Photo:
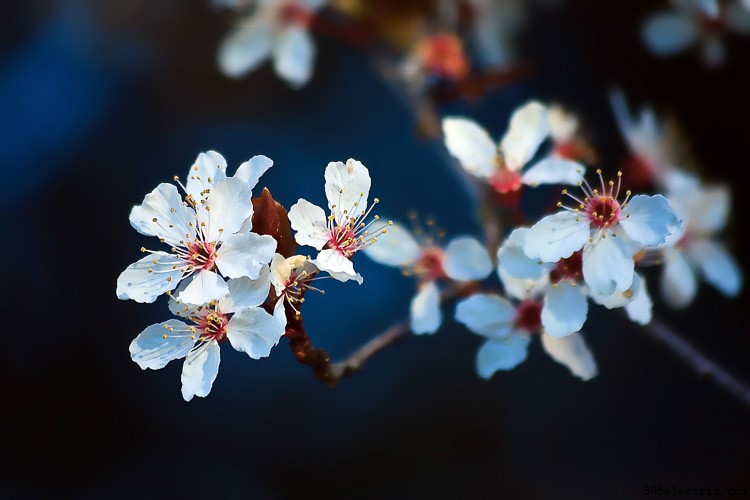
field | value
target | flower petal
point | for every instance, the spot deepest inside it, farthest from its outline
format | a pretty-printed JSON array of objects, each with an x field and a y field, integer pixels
[
  {"x": 251, "y": 171},
  {"x": 245, "y": 292},
  {"x": 347, "y": 189},
  {"x": 395, "y": 248},
  {"x": 521, "y": 288},
  {"x": 151, "y": 276},
  {"x": 571, "y": 351},
  {"x": 204, "y": 287},
  {"x": 309, "y": 222},
  {"x": 565, "y": 309},
  {"x": 708, "y": 208},
  {"x": 512, "y": 260},
  {"x": 226, "y": 208},
  {"x": 200, "y": 370},
  {"x": 425, "y": 315},
  {"x": 668, "y": 32},
  {"x": 556, "y": 237},
  {"x": 466, "y": 259},
  {"x": 678, "y": 282},
  {"x": 159, "y": 344},
  {"x": 639, "y": 309},
  {"x": 503, "y": 354},
  {"x": 607, "y": 265},
  {"x": 529, "y": 127},
  {"x": 162, "y": 214},
  {"x": 471, "y": 146},
  {"x": 209, "y": 168},
  {"x": 554, "y": 171},
  {"x": 339, "y": 267},
  {"x": 294, "y": 55},
  {"x": 717, "y": 265},
  {"x": 648, "y": 219},
  {"x": 245, "y": 48},
  {"x": 245, "y": 255},
  {"x": 255, "y": 332},
  {"x": 487, "y": 314}
]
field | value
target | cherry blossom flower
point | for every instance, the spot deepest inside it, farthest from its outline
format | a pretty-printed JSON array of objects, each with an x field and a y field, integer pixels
[
  {"x": 291, "y": 278},
  {"x": 501, "y": 167},
  {"x": 508, "y": 328},
  {"x": 441, "y": 55},
  {"x": 421, "y": 255},
  {"x": 208, "y": 232},
  {"x": 563, "y": 289},
  {"x": 494, "y": 24},
  {"x": 703, "y": 23},
  {"x": 694, "y": 249},
  {"x": 276, "y": 29},
  {"x": 344, "y": 232},
  {"x": 235, "y": 318},
  {"x": 607, "y": 231}
]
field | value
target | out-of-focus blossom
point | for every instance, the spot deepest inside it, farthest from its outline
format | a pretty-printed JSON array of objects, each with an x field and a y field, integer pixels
[
  {"x": 208, "y": 232},
  {"x": 694, "y": 250},
  {"x": 422, "y": 256},
  {"x": 608, "y": 231},
  {"x": 696, "y": 22},
  {"x": 494, "y": 24},
  {"x": 343, "y": 233},
  {"x": 441, "y": 55},
  {"x": 235, "y": 318},
  {"x": 501, "y": 166},
  {"x": 278, "y": 29},
  {"x": 508, "y": 328}
]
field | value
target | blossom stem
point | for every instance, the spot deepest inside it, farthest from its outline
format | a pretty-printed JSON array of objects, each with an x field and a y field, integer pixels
[{"x": 699, "y": 362}]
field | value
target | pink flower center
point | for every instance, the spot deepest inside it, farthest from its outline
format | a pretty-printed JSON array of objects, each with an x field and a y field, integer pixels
[
  {"x": 344, "y": 241},
  {"x": 568, "y": 269},
  {"x": 293, "y": 14},
  {"x": 212, "y": 325},
  {"x": 202, "y": 255},
  {"x": 600, "y": 206},
  {"x": 443, "y": 56},
  {"x": 529, "y": 316},
  {"x": 430, "y": 264},
  {"x": 603, "y": 211},
  {"x": 505, "y": 181}
]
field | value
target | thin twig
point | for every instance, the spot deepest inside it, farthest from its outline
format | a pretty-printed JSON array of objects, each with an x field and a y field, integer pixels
[{"x": 699, "y": 362}]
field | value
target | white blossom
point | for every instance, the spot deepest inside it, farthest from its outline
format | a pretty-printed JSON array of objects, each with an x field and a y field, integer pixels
[{"x": 208, "y": 232}]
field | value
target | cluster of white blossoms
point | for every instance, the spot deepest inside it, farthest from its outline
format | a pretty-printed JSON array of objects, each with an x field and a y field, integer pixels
[{"x": 218, "y": 274}]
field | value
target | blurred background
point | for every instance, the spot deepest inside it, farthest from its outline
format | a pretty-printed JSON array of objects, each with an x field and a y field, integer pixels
[{"x": 104, "y": 100}]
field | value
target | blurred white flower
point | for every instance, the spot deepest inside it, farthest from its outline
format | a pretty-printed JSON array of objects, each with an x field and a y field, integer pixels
[
  {"x": 501, "y": 166},
  {"x": 694, "y": 249},
  {"x": 696, "y": 22},
  {"x": 277, "y": 29},
  {"x": 608, "y": 231},
  {"x": 345, "y": 232},
  {"x": 462, "y": 259},
  {"x": 208, "y": 233},
  {"x": 235, "y": 318},
  {"x": 494, "y": 24}
]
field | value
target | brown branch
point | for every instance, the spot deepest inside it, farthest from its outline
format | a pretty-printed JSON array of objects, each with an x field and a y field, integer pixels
[{"x": 699, "y": 362}]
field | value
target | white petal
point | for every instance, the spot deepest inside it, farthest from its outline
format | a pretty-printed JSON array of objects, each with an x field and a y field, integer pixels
[
  {"x": 199, "y": 370},
  {"x": 226, "y": 208},
  {"x": 137, "y": 283},
  {"x": 678, "y": 283},
  {"x": 395, "y": 248},
  {"x": 648, "y": 219},
  {"x": 152, "y": 350},
  {"x": 425, "y": 315},
  {"x": 738, "y": 17},
  {"x": 620, "y": 298},
  {"x": 708, "y": 208},
  {"x": 154, "y": 217},
  {"x": 471, "y": 146},
  {"x": 512, "y": 260},
  {"x": 203, "y": 288},
  {"x": 521, "y": 288},
  {"x": 245, "y": 254},
  {"x": 281, "y": 271},
  {"x": 556, "y": 237},
  {"x": 717, "y": 265},
  {"x": 466, "y": 259},
  {"x": 245, "y": 48},
  {"x": 571, "y": 351},
  {"x": 208, "y": 169},
  {"x": 554, "y": 171},
  {"x": 503, "y": 354},
  {"x": 565, "y": 309},
  {"x": 251, "y": 171},
  {"x": 667, "y": 33},
  {"x": 347, "y": 189},
  {"x": 294, "y": 55},
  {"x": 529, "y": 126},
  {"x": 639, "y": 309},
  {"x": 245, "y": 292},
  {"x": 487, "y": 314},
  {"x": 309, "y": 222},
  {"x": 338, "y": 266},
  {"x": 607, "y": 266},
  {"x": 562, "y": 125},
  {"x": 255, "y": 332}
]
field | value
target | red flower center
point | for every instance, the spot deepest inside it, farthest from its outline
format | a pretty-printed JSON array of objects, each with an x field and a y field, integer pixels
[
  {"x": 294, "y": 14},
  {"x": 212, "y": 325},
  {"x": 529, "y": 316},
  {"x": 343, "y": 240},
  {"x": 506, "y": 181},
  {"x": 202, "y": 255},
  {"x": 443, "y": 55},
  {"x": 603, "y": 211},
  {"x": 568, "y": 269},
  {"x": 430, "y": 264}
]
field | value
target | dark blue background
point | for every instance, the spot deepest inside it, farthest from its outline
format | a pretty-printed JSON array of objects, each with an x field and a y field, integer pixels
[{"x": 102, "y": 102}]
